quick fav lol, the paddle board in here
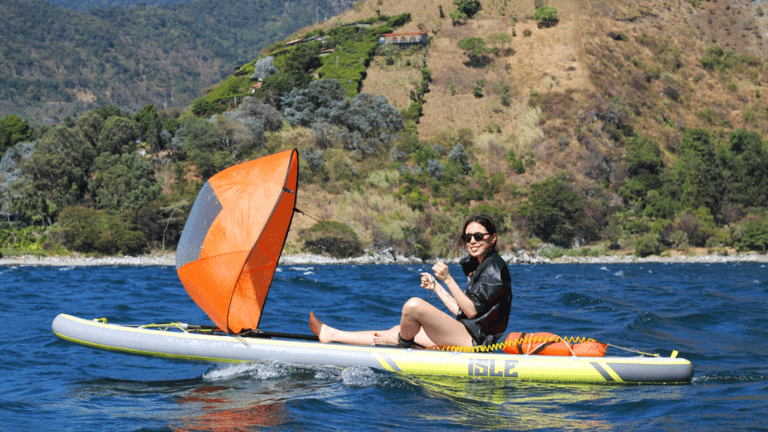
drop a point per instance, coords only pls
(177, 342)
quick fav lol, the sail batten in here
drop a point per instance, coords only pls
(234, 237)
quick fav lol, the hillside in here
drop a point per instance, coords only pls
(635, 127)
(58, 63)
(573, 69)
(606, 70)
(83, 5)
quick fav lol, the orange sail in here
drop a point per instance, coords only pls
(234, 236)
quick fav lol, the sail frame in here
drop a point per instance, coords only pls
(246, 212)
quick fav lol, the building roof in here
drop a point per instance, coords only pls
(405, 34)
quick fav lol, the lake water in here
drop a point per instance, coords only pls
(714, 315)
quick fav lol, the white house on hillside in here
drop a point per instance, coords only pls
(404, 39)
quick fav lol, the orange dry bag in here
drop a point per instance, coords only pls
(550, 344)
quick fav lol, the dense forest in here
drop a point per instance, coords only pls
(58, 62)
(117, 181)
(84, 5)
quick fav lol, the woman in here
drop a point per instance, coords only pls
(479, 315)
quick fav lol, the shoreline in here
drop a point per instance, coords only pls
(168, 259)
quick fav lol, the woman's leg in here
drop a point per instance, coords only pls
(421, 317)
(420, 321)
(327, 334)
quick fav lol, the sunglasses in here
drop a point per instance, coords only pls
(468, 237)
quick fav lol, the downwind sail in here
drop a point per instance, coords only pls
(234, 236)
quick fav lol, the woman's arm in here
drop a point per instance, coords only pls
(430, 283)
(454, 299)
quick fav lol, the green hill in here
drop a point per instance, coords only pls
(84, 5)
(59, 63)
(634, 127)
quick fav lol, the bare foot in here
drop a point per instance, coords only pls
(384, 339)
(318, 328)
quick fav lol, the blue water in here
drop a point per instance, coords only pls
(714, 315)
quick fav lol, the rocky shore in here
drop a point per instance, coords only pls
(168, 259)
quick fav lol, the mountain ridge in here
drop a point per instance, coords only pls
(59, 63)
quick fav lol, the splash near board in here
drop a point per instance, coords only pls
(234, 236)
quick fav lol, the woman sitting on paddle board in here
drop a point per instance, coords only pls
(479, 315)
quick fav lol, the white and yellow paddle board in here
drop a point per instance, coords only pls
(178, 343)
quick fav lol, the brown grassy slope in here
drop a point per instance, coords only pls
(638, 62)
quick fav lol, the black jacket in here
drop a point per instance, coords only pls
(490, 289)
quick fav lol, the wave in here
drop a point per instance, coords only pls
(729, 377)
(356, 376)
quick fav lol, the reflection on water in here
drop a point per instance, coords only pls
(511, 405)
(219, 408)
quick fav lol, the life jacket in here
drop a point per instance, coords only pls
(549, 344)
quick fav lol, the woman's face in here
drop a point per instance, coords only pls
(477, 248)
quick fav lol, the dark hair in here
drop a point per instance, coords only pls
(483, 220)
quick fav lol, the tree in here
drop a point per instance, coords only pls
(696, 179)
(546, 15)
(333, 238)
(85, 229)
(90, 126)
(10, 172)
(435, 169)
(13, 130)
(457, 16)
(265, 113)
(118, 136)
(295, 72)
(645, 166)
(202, 107)
(460, 157)
(476, 51)
(465, 9)
(263, 68)
(746, 176)
(55, 176)
(149, 127)
(554, 211)
(362, 124)
(236, 133)
(200, 141)
(123, 182)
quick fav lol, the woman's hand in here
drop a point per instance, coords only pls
(441, 271)
(428, 281)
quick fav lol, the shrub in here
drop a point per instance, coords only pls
(264, 67)
(475, 49)
(26, 240)
(384, 178)
(546, 15)
(265, 113)
(332, 238)
(518, 166)
(553, 211)
(313, 159)
(87, 230)
(435, 169)
(698, 228)
(648, 244)
(202, 107)
(459, 155)
(752, 234)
